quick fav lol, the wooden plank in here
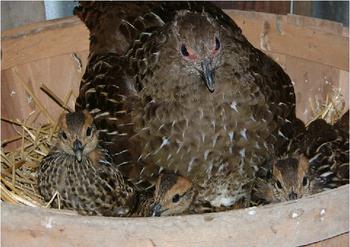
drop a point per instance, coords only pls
(15, 13)
(293, 223)
(314, 81)
(276, 7)
(60, 74)
(320, 25)
(43, 40)
(338, 241)
(273, 33)
(38, 27)
(303, 8)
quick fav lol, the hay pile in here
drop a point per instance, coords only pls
(19, 166)
(331, 109)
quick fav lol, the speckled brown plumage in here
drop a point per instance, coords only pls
(322, 150)
(194, 97)
(81, 173)
(327, 147)
(113, 25)
(342, 124)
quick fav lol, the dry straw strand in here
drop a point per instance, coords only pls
(19, 166)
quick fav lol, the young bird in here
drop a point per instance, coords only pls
(173, 195)
(79, 171)
(322, 163)
(290, 180)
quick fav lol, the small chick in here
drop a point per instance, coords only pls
(322, 163)
(289, 180)
(79, 171)
(173, 195)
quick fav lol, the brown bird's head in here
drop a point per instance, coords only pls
(290, 178)
(78, 135)
(173, 195)
(199, 45)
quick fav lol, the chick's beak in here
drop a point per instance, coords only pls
(293, 196)
(208, 74)
(156, 210)
(78, 150)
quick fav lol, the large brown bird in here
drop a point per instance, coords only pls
(192, 96)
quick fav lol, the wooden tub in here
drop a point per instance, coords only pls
(313, 52)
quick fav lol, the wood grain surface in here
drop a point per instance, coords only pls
(305, 221)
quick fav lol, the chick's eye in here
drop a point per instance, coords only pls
(88, 131)
(217, 44)
(64, 135)
(176, 198)
(184, 51)
(279, 185)
(305, 180)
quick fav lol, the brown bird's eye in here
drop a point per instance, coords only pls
(304, 181)
(279, 185)
(64, 135)
(88, 131)
(184, 51)
(217, 44)
(176, 198)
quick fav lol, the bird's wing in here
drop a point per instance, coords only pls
(111, 24)
(109, 94)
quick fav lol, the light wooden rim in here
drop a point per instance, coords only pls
(69, 35)
(300, 222)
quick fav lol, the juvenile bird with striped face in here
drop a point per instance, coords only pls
(79, 171)
(192, 96)
(316, 160)
(290, 180)
(173, 195)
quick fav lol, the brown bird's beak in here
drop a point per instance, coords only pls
(208, 75)
(78, 150)
(157, 210)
